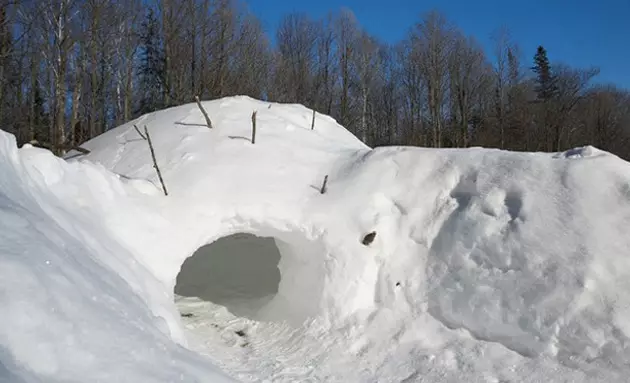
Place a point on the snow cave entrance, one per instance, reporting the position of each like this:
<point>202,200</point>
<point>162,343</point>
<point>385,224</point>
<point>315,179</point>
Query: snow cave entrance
<point>256,277</point>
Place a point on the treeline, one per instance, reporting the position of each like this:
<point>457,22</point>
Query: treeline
<point>70,69</point>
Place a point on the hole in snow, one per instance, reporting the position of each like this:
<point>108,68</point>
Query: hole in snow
<point>260,278</point>
<point>239,272</point>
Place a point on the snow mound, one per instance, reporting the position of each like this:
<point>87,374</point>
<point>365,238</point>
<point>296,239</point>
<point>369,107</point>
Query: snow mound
<point>582,152</point>
<point>486,265</point>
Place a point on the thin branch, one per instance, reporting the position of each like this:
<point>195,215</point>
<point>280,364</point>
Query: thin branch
<point>208,122</point>
<point>323,189</point>
<point>313,122</point>
<point>155,165</point>
<point>139,132</point>
<point>80,149</point>
<point>254,127</point>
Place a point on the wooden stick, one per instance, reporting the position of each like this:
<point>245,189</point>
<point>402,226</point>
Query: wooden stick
<point>139,132</point>
<point>208,122</point>
<point>254,127</point>
<point>80,149</point>
<point>313,122</point>
<point>323,189</point>
<point>155,165</point>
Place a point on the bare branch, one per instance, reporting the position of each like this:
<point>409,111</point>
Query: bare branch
<point>139,132</point>
<point>254,127</point>
<point>323,189</point>
<point>155,165</point>
<point>208,122</point>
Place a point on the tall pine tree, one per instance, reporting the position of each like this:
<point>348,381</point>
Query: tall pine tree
<point>151,69</point>
<point>546,92</point>
<point>546,83</point>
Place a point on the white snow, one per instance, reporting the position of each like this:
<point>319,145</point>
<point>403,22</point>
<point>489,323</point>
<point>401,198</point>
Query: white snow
<point>487,266</point>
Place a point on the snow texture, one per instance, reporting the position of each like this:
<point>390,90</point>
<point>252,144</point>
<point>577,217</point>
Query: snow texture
<point>487,265</point>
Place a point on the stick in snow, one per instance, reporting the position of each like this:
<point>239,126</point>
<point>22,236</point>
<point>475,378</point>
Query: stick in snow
<point>208,122</point>
<point>155,165</point>
<point>313,122</point>
<point>323,189</point>
<point>253,127</point>
<point>139,132</point>
<point>80,149</point>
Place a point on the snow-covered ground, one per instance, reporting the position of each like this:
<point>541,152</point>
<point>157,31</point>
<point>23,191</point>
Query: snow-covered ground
<point>487,266</point>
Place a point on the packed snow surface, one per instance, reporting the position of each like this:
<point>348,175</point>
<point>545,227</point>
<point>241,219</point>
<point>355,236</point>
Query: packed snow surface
<point>486,266</point>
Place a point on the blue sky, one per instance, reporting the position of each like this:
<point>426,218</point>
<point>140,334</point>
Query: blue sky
<point>580,33</point>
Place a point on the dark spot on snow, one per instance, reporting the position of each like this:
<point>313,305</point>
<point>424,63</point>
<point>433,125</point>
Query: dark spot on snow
<point>240,333</point>
<point>245,344</point>
<point>514,203</point>
<point>369,238</point>
<point>187,315</point>
<point>397,283</point>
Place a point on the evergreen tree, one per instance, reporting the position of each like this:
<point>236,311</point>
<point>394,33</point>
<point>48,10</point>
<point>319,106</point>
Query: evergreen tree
<point>41,120</point>
<point>151,69</point>
<point>546,84</point>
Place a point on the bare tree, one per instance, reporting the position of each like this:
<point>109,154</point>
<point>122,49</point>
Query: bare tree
<point>368,68</point>
<point>125,46</point>
<point>413,82</point>
<point>572,85</point>
<point>347,33</point>
<point>222,41</point>
<point>60,29</point>
<point>297,42</point>
<point>502,46</point>
<point>387,98</point>
<point>251,59</point>
<point>466,63</point>
<point>326,71</point>
<point>434,37</point>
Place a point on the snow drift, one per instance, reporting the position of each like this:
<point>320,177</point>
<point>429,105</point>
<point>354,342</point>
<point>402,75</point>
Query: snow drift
<point>487,265</point>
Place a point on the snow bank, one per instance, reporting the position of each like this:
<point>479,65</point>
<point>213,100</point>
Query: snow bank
<point>486,266</point>
<point>75,303</point>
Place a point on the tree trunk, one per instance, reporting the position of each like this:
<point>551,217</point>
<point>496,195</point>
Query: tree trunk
<point>31,108</point>
<point>93,83</point>
<point>74,117</point>
<point>60,90</point>
<point>167,18</point>
<point>128,90</point>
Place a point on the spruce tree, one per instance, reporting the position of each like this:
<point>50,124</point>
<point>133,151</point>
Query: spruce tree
<point>546,87</point>
<point>41,120</point>
<point>151,68</point>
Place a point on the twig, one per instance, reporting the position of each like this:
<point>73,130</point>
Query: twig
<point>323,189</point>
<point>313,122</point>
<point>208,122</point>
<point>155,165</point>
<point>254,127</point>
<point>139,132</point>
<point>80,149</point>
